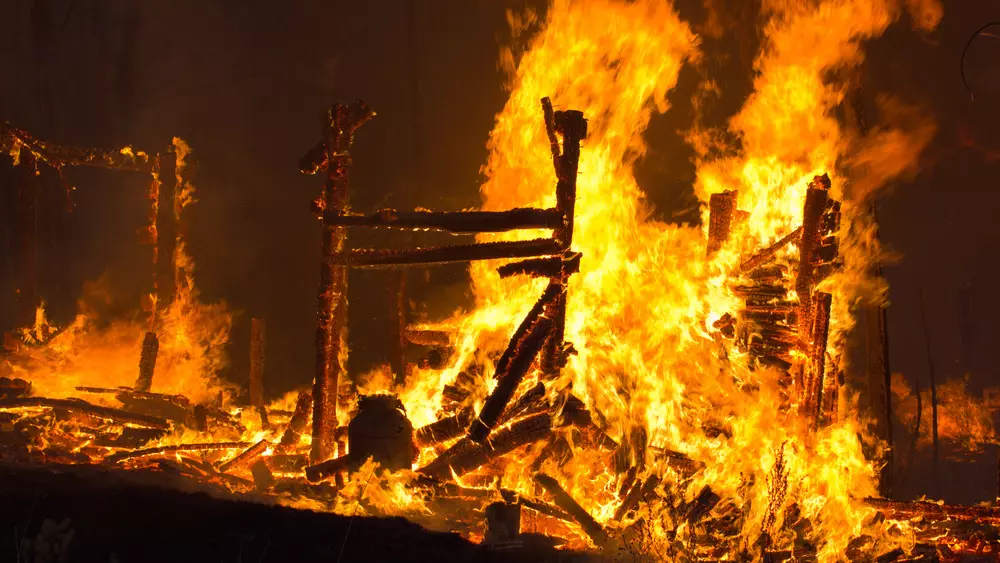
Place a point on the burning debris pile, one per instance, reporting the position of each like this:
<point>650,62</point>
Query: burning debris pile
<point>647,389</point>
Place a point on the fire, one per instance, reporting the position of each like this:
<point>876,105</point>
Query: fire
<point>664,366</point>
<point>641,310</point>
<point>965,421</point>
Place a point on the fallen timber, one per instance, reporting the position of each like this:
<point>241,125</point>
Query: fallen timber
<point>446,254</point>
<point>115,415</point>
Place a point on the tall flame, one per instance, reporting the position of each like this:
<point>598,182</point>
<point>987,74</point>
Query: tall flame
<point>641,308</point>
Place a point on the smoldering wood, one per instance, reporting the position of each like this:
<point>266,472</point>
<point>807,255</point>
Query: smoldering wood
<point>934,511</point>
<point>460,222</point>
<point>445,429</point>
<point>396,301</point>
<point>147,361</point>
<point>638,492</point>
<point>13,387</point>
<point>566,502</point>
<point>427,337</point>
<point>166,228</point>
<point>548,115</point>
<point>550,267</point>
<point>263,479</point>
<point>525,350</point>
<point>331,318</point>
<point>819,334</point>
<point>258,338</point>
<point>573,128</point>
<point>466,455</point>
<point>115,415</point>
<point>58,156</point>
<point>329,468</point>
<point>706,500</point>
<point>765,255</point>
<point>721,208</point>
<point>246,458</point>
<point>534,397</point>
<point>175,448</point>
<point>814,207</point>
<point>372,258</point>
<point>297,424</point>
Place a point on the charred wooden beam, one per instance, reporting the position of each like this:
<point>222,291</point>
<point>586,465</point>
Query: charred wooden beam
<point>521,351</point>
<point>573,128</point>
<point>147,362</point>
<point>721,210</point>
<point>116,415</point>
<point>548,114</point>
<point>636,493</point>
<point>702,505</point>
<point>297,424</point>
<point>934,511</point>
<point>817,197</point>
<point>813,401</point>
<point>452,221</point>
<point>550,267</point>
<point>534,397</point>
<point>467,455</point>
<point>329,468</point>
<point>57,156</point>
<point>564,501</point>
<point>331,326</point>
<point>765,255</point>
<point>247,457</point>
<point>175,448</point>
<point>445,429</point>
<point>427,337</point>
<point>370,258</point>
<point>396,301</point>
<point>257,358</point>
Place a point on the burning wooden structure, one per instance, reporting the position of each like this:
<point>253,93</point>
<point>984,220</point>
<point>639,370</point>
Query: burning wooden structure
<point>784,324</point>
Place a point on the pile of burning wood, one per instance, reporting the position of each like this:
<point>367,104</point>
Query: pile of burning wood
<point>264,452</point>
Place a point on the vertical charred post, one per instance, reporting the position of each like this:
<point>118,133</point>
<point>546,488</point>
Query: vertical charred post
<point>817,197</point>
<point>573,128</point>
<point>397,325</point>
<point>27,239</point>
<point>332,155</point>
<point>165,179</point>
<point>297,424</point>
<point>257,357</point>
<point>721,210</point>
<point>813,401</point>
<point>147,362</point>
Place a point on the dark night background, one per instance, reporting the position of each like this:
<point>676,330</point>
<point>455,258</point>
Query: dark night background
<point>246,83</point>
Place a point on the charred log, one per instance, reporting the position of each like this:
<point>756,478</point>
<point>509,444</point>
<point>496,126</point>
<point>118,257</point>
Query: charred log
<point>550,267</point>
<point>257,339</point>
<point>452,221</point>
<point>342,121</point>
<point>815,206</point>
<point>147,362</point>
<point>762,257</point>
<point>246,458</point>
<point>466,455</point>
<point>445,429</point>
<point>721,208</point>
<point>503,522</point>
<point>564,501</point>
<point>175,448</point>
<point>297,424</point>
